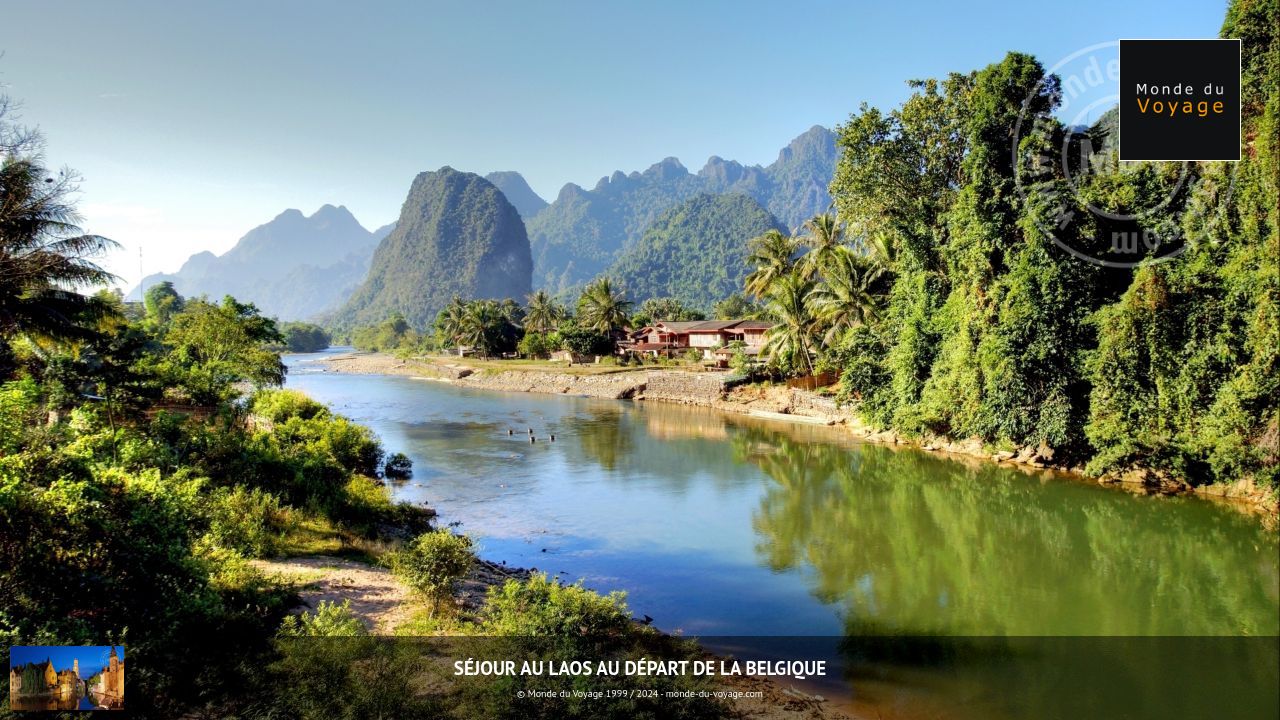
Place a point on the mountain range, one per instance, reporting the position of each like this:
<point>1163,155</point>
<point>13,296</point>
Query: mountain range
<point>294,266</point>
<point>583,231</point>
<point>303,267</point>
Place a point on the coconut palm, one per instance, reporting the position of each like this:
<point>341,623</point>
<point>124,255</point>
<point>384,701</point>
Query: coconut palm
<point>793,331</point>
<point>602,307</point>
<point>773,255</point>
<point>846,297</point>
<point>450,321</point>
<point>482,324</point>
<point>823,235</point>
<point>45,257</point>
<point>543,313</point>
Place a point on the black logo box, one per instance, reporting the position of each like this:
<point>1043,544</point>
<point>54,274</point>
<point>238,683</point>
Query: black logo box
<point>1180,71</point>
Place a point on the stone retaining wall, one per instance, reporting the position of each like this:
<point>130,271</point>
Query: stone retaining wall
<point>688,388</point>
<point>617,386</point>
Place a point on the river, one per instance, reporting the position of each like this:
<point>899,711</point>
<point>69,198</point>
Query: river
<point>964,588</point>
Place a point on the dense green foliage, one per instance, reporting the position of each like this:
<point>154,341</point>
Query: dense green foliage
<point>584,231</point>
<point>487,327</point>
<point>457,236</point>
<point>300,337</point>
<point>434,562</point>
<point>984,328</point>
<point>694,251</point>
<point>148,515</point>
<point>664,308</point>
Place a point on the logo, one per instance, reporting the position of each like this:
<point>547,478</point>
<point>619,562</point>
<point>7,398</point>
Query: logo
<point>1105,210</point>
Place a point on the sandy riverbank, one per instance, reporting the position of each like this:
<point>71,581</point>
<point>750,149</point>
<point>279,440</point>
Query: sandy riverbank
<point>765,401</point>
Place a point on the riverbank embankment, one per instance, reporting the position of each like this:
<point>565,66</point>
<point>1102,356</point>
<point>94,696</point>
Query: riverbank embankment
<point>777,402</point>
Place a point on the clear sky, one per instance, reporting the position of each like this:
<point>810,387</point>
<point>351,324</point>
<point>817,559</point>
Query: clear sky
<point>193,122</point>
<point>92,657</point>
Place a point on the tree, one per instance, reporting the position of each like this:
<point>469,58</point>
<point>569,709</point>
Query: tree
<point>162,302</point>
<point>449,321</point>
<point>44,255</point>
<point>823,235</point>
<point>735,307</point>
<point>789,342</point>
<point>543,314</point>
<point>846,297</point>
<point>773,255</point>
<point>216,346</point>
<point>484,326</point>
<point>602,307</point>
<point>665,308</point>
<point>300,337</point>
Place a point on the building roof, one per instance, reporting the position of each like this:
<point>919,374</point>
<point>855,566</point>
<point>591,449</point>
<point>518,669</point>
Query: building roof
<point>712,326</point>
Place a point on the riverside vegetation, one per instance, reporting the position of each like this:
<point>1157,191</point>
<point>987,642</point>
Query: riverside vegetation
<point>145,459</point>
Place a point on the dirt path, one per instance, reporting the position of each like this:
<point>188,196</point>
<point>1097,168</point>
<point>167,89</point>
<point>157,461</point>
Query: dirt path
<point>380,600</point>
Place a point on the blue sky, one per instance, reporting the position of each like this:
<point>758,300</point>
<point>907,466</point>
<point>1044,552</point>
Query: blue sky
<point>92,657</point>
<point>193,122</point>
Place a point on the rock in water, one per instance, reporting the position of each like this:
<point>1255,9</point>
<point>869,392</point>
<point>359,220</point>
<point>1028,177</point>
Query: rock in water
<point>457,235</point>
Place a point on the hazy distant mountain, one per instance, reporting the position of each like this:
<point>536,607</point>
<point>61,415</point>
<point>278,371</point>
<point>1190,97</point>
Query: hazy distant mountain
<point>512,184</point>
<point>457,235</point>
<point>293,267</point>
<point>583,231</point>
<point>695,251</point>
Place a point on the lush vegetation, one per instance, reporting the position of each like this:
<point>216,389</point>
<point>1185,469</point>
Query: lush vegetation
<point>693,252</point>
<point>300,337</point>
<point>434,562</point>
<point>457,236</point>
<point>944,301</point>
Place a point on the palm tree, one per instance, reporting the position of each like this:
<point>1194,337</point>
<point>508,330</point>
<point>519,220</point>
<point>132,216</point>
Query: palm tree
<point>450,320</point>
<point>823,235</point>
<point>543,313</point>
<point>45,257</point>
<point>792,333</point>
<point>481,325</point>
<point>846,297</point>
<point>773,255</point>
<point>602,307</point>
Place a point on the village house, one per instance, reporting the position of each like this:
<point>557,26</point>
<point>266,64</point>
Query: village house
<point>710,337</point>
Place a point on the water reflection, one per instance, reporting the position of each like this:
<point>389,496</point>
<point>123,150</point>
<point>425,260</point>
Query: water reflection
<point>906,543</point>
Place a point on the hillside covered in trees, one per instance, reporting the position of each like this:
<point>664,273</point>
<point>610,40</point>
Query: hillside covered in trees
<point>583,231</point>
<point>695,251</point>
<point>457,236</point>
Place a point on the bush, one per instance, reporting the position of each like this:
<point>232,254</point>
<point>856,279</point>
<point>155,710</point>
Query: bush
<point>280,405</point>
<point>433,562</point>
<point>536,345</point>
<point>398,466</point>
<point>248,520</point>
<point>353,446</point>
<point>328,620</point>
<point>364,503</point>
<point>543,607</point>
<point>581,341</point>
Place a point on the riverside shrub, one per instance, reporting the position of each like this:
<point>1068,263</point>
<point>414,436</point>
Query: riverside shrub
<point>433,562</point>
